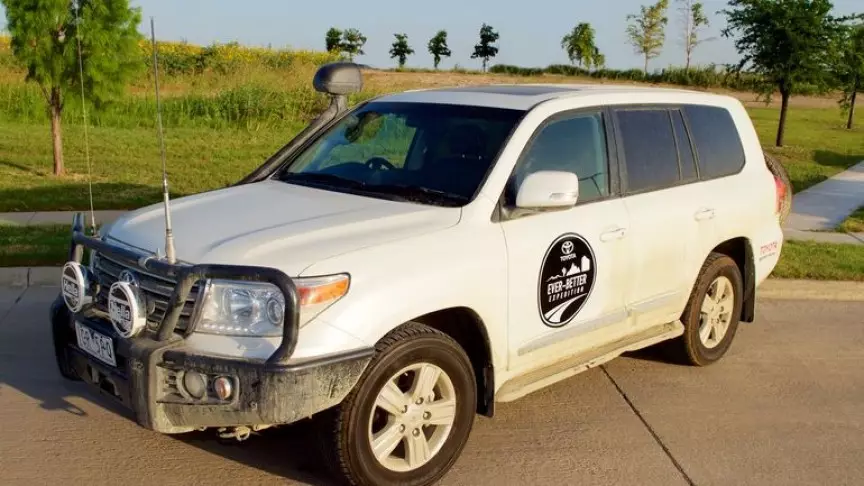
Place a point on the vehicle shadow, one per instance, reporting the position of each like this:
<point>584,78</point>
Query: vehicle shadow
<point>654,354</point>
<point>28,369</point>
<point>289,452</point>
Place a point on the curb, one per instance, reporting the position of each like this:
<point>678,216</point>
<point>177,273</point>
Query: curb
<point>780,289</point>
<point>823,237</point>
<point>783,289</point>
<point>30,276</point>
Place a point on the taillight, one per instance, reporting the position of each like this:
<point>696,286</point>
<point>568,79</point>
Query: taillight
<point>781,193</point>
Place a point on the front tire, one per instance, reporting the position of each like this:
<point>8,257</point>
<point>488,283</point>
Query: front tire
<point>711,316</point>
<point>409,417</point>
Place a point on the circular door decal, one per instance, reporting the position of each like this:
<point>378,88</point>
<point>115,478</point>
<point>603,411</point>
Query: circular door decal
<point>566,279</point>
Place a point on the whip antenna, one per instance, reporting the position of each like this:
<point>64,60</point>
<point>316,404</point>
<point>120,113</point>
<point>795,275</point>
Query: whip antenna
<point>84,111</point>
<point>169,234</point>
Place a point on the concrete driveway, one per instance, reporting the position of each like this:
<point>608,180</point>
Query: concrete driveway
<point>785,407</point>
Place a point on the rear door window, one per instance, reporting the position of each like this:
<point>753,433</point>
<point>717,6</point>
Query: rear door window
<point>650,151</point>
<point>718,146</point>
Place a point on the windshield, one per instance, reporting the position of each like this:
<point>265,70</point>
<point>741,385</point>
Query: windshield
<point>419,152</point>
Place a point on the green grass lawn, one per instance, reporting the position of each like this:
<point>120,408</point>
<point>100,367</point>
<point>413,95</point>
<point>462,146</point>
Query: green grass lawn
<point>49,245</point>
<point>854,223</point>
<point>817,144</point>
<point>34,246</point>
<point>126,164</point>
<point>821,261</point>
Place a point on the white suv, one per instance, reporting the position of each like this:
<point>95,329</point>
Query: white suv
<point>406,264</point>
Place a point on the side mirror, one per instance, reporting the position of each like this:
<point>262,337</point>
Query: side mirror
<point>338,79</point>
<point>548,190</point>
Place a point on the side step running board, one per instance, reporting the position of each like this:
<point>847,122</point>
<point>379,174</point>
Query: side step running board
<point>520,386</point>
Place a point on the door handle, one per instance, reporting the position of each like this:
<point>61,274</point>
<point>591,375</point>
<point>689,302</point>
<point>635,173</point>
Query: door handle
<point>615,234</point>
<point>704,214</point>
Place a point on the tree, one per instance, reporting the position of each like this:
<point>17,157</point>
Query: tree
<point>786,43</point>
<point>45,37</point>
<point>486,49</point>
<point>694,20</point>
<point>581,48</point>
<point>647,31</point>
<point>850,69</point>
<point>334,39</point>
<point>400,49</point>
<point>352,43</point>
<point>438,47</point>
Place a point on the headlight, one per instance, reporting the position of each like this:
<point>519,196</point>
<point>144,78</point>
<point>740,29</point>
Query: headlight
<point>257,309</point>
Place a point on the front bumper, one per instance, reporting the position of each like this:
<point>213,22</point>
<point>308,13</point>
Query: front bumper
<point>149,371</point>
<point>148,380</point>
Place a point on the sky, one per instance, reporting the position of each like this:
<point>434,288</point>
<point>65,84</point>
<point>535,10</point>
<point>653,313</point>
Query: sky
<point>531,31</point>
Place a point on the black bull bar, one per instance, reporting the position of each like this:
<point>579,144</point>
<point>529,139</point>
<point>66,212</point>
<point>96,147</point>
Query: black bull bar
<point>186,276</point>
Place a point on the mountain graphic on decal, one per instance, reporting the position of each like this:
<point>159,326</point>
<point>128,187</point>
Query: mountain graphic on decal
<point>585,266</point>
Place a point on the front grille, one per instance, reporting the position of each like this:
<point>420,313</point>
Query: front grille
<point>157,291</point>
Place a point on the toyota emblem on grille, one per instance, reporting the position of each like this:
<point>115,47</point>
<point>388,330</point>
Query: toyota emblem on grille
<point>129,277</point>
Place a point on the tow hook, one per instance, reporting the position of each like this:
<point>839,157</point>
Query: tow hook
<point>240,432</point>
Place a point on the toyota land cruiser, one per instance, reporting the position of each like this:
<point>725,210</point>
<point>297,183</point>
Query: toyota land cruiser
<point>404,265</point>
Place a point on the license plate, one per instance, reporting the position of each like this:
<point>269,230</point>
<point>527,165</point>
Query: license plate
<point>97,345</point>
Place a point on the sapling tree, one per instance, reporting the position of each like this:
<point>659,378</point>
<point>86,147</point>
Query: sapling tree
<point>400,49</point>
<point>438,47</point>
<point>45,36</point>
<point>486,48</point>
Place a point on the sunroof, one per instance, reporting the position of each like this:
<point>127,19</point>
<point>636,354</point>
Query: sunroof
<point>513,90</point>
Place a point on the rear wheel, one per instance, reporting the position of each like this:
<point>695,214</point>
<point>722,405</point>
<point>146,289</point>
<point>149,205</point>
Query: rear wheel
<point>408,419</point>
<point>712,313</point>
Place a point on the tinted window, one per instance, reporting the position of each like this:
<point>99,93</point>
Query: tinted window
<point>718,145</point>
<point>649,149</point>
<point>685,150</point>
<point>575,144</point>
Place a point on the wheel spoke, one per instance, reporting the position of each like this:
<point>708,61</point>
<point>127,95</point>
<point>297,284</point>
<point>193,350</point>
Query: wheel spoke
<point>418,450</point>
<point>720,329</point>
<point>705,330</point>
<point>714,290</point>
<point>726,304</point>
<point>385,441</point>
<point>707,304</point>
<point>391,399</point>
<point>722,290</point>
<point>424,382</point>
<point>443,412</point>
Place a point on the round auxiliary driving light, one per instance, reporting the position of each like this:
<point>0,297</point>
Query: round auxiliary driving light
<point>223,387</point>
<point>126,309</point>
<point>75,286</point>
<point>195,384</point>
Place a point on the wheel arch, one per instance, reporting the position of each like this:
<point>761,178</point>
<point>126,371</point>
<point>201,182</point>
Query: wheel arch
<point>740,250</point>
<point>466,327</point>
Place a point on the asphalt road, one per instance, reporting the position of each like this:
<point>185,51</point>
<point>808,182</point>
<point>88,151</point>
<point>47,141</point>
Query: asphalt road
<point>786,406</point>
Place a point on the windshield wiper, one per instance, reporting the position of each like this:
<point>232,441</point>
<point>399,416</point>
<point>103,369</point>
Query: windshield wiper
<point>418,193</point>
<point>320,179</point>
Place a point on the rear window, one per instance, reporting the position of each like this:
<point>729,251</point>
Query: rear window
<point>718,146</point>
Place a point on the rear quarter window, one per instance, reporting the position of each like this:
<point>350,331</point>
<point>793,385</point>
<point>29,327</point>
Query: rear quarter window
<point>718,146</point>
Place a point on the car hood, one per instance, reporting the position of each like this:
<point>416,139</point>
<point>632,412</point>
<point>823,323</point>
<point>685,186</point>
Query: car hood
<point>276,224</point>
